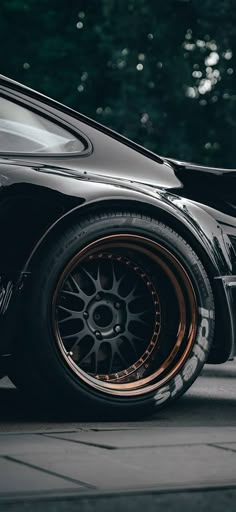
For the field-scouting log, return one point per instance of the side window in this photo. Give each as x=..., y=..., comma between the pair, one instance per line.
x=24, y=131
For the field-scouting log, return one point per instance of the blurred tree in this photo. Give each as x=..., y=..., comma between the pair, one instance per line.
x=162, y=73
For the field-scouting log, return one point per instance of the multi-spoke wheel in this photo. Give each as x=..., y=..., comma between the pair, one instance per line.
x=107, y=315
x=122, y=316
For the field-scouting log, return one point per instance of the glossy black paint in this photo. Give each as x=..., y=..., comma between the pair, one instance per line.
x=41, y=194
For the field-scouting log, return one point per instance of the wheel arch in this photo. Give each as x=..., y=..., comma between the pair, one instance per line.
x=159, y=212
x=174, y=218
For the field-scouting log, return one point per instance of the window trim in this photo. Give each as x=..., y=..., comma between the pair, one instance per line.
x=46, y=114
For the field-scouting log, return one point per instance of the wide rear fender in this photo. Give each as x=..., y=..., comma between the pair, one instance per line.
x=200, y=229
x=194, y=224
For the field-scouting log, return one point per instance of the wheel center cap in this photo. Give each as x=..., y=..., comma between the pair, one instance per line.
x=104, y=313
x=103, y=316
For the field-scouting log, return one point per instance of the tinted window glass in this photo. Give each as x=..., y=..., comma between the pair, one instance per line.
x=23, y=131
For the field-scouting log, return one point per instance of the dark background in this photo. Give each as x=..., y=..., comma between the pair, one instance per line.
x=162, y=72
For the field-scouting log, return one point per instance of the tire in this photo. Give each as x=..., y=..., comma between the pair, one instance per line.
x=119, y=317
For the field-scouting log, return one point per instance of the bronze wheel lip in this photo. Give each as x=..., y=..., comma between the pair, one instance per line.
x=149, y=383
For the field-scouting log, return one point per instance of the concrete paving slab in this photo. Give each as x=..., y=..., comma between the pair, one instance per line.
x=17, y=444
x=181, y=448
x=124, y=467
x=98, y=467
x=200, y=464
x=149, y=437
x=17, y=478
x=227, y=446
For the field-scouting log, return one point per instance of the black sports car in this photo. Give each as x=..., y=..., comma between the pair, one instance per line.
x=118, y=266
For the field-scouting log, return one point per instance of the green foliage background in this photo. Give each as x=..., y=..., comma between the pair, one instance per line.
x=162, y=72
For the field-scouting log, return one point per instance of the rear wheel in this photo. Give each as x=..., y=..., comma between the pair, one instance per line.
x=120, y=317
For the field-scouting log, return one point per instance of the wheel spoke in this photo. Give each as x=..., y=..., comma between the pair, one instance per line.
x=96, y=360
x=79, y=293
x=74, y=283
x=131, y=296
x=88, y=354
x=73, y=315
x=77, y=336
x=96, y=281
x=115, y=281
x=137, y=317
x=115, y=351
x=99, y=277
x=131, y=341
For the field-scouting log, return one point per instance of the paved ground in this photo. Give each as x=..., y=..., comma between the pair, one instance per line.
x=183, y=457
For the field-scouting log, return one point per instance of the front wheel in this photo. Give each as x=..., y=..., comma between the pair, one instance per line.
x=120, y=316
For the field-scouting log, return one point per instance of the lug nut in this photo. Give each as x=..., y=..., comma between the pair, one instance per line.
x=98, y=297
x=117, y=329
x=98, y=335
x=85, y=315
x=117, y=305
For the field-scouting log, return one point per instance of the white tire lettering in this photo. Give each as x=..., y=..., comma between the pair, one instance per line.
x=202, y=338
x=199, y=355
x=207, y=313
x=203, y=334
x=162, y=395
x=190, y=368
x=178, y=384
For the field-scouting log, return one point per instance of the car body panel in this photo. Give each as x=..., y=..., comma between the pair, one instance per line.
x=42, y=193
